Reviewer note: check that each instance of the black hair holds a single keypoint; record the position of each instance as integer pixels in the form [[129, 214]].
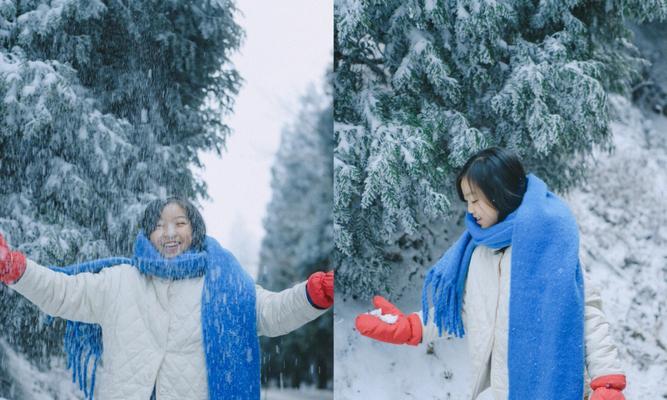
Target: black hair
[[154, 210], [499, 174]]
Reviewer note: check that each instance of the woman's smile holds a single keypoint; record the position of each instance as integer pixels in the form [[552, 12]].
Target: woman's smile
[[172, 247], [173, 233]]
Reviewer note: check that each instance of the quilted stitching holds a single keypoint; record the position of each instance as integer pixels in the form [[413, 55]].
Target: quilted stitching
[[183, 370], [152, 327], [484, 290]]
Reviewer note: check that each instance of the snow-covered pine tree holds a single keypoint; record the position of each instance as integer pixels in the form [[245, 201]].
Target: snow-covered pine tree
[[299, 240], [420, 85], [105, 105]]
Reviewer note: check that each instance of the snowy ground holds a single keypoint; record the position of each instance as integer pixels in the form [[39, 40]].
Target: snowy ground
[[295, 394], [369, 370], [287, 394], [622, 214]]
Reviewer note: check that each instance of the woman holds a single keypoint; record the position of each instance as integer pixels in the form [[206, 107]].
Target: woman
[[179, 320], [513, 283]]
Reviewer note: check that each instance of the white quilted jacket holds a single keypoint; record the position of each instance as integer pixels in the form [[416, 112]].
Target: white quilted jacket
[[151, 326], [486, 319]]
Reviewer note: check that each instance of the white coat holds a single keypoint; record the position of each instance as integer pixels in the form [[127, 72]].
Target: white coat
[[151, 327], [486, 319]]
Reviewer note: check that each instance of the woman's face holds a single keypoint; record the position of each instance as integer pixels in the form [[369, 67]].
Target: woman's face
[[478, 205], [173, 233]]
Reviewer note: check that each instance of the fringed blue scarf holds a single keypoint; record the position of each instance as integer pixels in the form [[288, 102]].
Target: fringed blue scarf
[[227, 312], [546, 311]]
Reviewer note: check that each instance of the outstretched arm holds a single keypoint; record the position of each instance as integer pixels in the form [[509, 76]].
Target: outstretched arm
[[79, 297], [279, 313], [388, 324]]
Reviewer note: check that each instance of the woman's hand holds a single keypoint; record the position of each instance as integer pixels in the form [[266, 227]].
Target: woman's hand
[[320, 289], [608, 387], [12, 263], [391, 326]]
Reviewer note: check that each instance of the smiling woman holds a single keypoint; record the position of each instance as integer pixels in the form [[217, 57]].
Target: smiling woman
[[174, 225], [182, 311], [173, 233]]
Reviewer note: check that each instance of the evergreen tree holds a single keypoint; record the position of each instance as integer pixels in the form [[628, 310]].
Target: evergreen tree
[[422, 85], [651, 93], [105, 106], [299, 241]]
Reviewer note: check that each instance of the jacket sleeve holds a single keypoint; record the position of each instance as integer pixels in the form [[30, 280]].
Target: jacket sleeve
[[601, 352], [430, 330], [279, 313], [79, 297]]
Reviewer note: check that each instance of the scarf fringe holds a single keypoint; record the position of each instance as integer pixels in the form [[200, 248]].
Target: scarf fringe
[[447, 303], [83, 341], [83, 344]]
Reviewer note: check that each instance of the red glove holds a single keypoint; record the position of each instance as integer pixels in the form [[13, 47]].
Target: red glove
[[608, 387], [406, 329], [320, 289], [12, 263]]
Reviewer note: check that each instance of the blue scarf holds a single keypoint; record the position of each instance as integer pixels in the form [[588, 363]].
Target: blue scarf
[[546, 311], [227, 312]]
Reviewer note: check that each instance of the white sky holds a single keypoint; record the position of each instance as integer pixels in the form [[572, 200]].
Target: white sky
[[288, 46]]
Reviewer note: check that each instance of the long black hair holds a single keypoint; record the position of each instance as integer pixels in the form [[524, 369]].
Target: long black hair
[[499, 174], [153, 212]]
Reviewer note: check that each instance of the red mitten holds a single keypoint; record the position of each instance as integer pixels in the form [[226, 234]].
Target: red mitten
[[12, 263], [320, 289], [396, 328], [328, 285], [608, 387]]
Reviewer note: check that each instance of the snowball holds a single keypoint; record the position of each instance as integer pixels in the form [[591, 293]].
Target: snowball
[[388, 318]]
